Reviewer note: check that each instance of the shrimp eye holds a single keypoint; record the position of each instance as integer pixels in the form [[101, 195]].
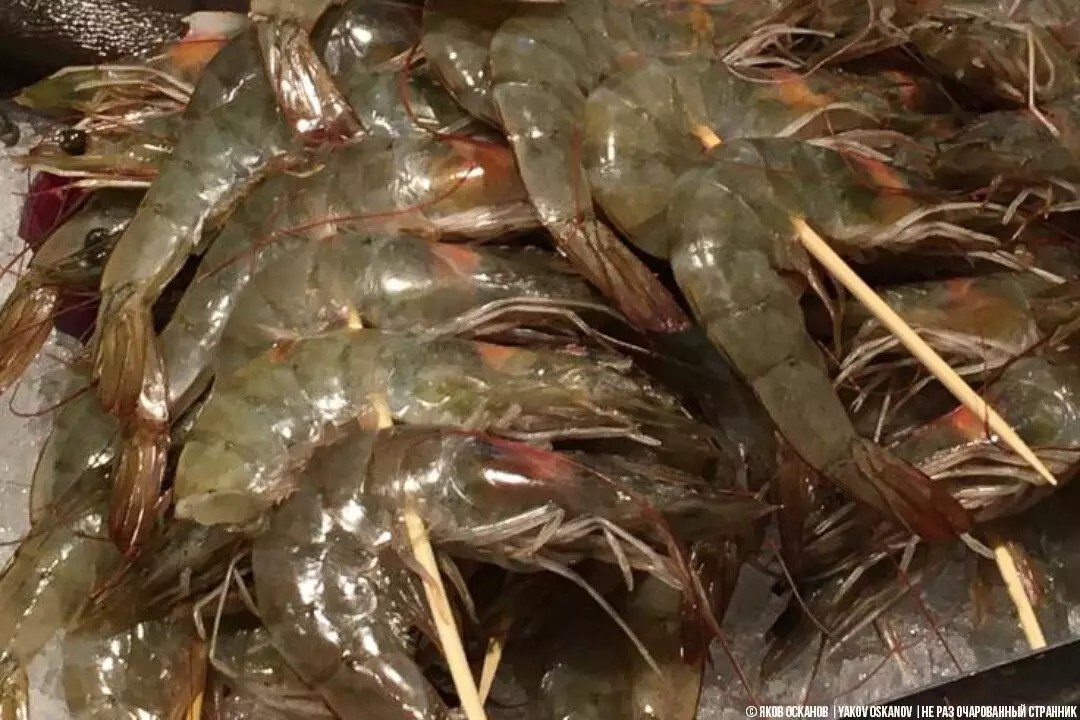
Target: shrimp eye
[[97, 245], [96, 237], [73, 141]]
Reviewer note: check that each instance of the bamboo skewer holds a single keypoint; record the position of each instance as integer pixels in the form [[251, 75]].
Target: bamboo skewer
[[1029, 623], [444, 619], [491, 665], [437, 599], [925, 354]]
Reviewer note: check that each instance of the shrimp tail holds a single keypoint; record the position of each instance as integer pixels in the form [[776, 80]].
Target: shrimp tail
[[137, 484], [596, 252], [132, 387], [127, 363], [890, 484], [25, 324]]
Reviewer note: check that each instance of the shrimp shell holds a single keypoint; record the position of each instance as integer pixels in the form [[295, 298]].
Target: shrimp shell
[[277, 408]]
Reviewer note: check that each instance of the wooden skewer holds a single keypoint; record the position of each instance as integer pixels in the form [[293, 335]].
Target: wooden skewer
[[491, 665], [492, 658], [437, 598], [1029, 623], [444, 619], [925, 354], [195, 709]]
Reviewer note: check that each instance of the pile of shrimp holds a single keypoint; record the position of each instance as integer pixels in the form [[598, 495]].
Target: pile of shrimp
[[526, 272]]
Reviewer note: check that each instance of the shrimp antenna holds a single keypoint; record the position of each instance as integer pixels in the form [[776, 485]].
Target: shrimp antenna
[[565, 572]]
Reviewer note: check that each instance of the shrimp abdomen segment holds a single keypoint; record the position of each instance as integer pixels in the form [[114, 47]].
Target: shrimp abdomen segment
[[749, 311]]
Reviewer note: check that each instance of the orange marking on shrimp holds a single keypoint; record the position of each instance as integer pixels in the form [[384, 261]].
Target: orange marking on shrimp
[[192, 54], [967, 424], [528, 461], [494, 160], [282, 350], [495, 356], [793, 90], [454, 261], [707, 136], [893, 201], [701, 23], [907, 88]]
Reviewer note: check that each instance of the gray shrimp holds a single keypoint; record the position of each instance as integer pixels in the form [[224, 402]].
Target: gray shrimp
[[51, 575], [732, 240], [515, 505], [1037, 396], [260, 682], [82, 439], [269, 415], [359, 63], [542, 60], [234, 130], [391, 93], [339, 610]]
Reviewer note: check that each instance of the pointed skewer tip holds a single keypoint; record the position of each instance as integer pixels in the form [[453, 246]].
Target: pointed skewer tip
[[816, 246]]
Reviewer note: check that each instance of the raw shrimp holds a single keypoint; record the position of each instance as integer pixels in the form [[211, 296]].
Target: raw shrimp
[[104, 153], [371, 74], [259, 678], [340, 610], [731, 242], [644, 127], [233, 130], [403, 283], [154, 669], [978, 324], [159, 83], [467, 187], [512, 504], [544, 59], [269, 415], [83, 439], [51, 574], [182, 563], [1003, 59], [69, 262], [1016, 155]]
